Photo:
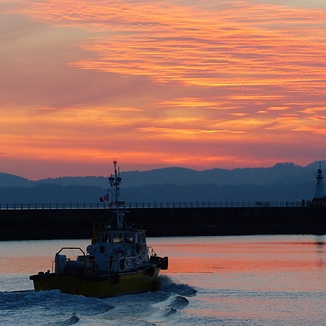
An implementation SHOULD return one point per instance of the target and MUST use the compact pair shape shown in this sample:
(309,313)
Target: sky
(195,84)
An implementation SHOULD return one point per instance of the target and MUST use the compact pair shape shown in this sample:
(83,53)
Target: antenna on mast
(115,181)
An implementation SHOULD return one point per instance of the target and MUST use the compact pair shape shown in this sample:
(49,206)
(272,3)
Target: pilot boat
(118,260)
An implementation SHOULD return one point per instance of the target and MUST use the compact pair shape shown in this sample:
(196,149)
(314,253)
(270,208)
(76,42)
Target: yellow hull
(98,285)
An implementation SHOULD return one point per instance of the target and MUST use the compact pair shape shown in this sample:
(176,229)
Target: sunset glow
(204,84)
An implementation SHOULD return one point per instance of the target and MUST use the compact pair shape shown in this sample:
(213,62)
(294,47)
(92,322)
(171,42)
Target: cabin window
(129,238)
(102,249)
(105,237)
(143,238)
(117,238)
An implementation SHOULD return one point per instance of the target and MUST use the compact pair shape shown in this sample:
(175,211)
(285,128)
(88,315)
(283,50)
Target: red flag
(104,198)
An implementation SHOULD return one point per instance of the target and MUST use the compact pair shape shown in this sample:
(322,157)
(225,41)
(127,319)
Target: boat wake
(49,308)
(70,321)
(53,308)
(179,303)
(161,307)
(167,285)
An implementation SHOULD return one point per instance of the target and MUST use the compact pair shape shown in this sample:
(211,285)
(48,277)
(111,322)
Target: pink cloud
(212,81)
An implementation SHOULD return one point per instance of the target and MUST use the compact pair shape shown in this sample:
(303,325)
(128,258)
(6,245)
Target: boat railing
(57,262)
(141,205)
(71,248)
(151,252)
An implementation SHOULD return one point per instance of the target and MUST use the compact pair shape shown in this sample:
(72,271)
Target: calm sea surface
(254,280)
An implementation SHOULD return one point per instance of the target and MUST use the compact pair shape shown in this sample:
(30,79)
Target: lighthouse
(319,198)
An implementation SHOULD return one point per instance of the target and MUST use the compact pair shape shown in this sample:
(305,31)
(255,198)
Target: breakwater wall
(35,224)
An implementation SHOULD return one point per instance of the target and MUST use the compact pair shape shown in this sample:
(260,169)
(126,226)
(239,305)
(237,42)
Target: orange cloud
(207,80)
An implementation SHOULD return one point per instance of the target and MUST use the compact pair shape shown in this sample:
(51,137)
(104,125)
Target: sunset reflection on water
(191,254)
(261,280)
(262,261)
(268,263)
(252,253)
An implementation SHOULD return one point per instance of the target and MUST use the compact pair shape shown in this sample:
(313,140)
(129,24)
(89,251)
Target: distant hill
(10,180)
(282,182)
(74,181)
(50,194)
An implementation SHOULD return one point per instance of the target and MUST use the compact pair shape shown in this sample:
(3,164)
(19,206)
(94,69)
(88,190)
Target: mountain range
(282,182)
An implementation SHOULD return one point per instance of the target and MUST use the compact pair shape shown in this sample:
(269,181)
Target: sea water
(238,280)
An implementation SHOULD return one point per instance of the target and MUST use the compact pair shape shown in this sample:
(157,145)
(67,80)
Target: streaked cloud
(198,84)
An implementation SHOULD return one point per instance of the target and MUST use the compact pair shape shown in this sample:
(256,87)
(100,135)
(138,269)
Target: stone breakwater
(37,224)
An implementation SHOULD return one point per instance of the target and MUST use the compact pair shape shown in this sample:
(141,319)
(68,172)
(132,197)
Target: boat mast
(115,181)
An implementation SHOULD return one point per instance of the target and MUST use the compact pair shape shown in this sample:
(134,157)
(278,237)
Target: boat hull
(98,285)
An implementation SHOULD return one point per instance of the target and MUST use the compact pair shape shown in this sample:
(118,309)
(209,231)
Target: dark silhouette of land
(182,202)
(282,182)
